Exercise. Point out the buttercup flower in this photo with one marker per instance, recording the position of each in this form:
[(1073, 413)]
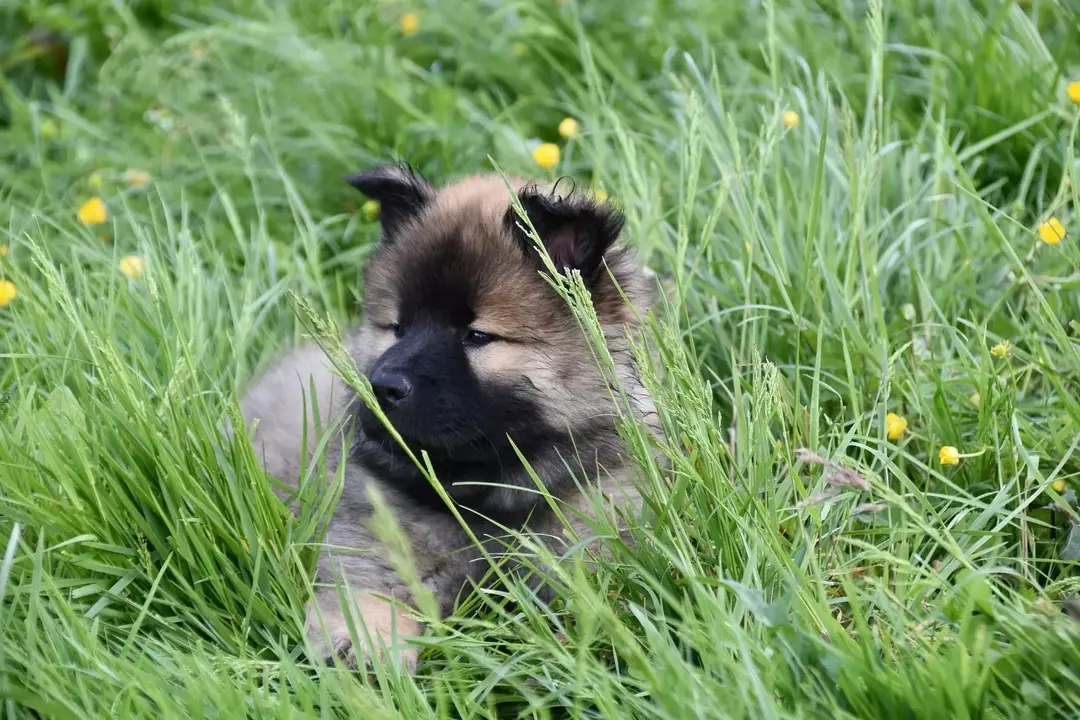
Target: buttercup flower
[(601, 195), (7, 292), (1052, 231), (1001, 349), (568, 128), (790, 119), (546, 155), (948, 455), (370, 210), (133, 266), (1074, 92), (895, 426), (1059, 484), (136, 178), (94, 211), (410, 23)]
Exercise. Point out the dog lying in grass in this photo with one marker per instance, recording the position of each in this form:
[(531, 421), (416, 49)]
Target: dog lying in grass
[(473, 357)]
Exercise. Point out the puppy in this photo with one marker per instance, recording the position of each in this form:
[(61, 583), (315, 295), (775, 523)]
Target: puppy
[(469, 352)]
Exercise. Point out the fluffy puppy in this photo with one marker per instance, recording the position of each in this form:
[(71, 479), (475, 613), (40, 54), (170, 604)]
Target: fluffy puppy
[(467, 348)]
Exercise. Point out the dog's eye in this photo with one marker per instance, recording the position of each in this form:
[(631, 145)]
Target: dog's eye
[(477, 338), (394, 328)]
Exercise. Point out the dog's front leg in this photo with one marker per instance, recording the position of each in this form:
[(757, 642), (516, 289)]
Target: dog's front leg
[(363, 627)]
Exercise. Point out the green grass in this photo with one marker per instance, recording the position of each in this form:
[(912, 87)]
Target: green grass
[(819, 277)]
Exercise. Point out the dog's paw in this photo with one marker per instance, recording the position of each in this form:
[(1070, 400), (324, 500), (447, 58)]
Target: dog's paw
[(387, 626)]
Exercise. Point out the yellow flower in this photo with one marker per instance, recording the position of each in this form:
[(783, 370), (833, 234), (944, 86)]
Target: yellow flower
[(7, 292), (410, 23), (568, 128), (1074, 92), (948, 455), (791, 119), (133, 266), (1001, 349), (895, 426), (95, 181), (1052, 231), (1059, 484), (546, 155), (48, 130), (94, 211), (600, 195), (136, 178), (370, 210)]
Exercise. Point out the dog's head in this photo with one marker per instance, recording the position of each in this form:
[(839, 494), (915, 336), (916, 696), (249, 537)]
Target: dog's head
[(469, 350)]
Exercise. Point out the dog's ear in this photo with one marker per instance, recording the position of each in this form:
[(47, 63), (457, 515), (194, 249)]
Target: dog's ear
[(400, 192), (576, 229)]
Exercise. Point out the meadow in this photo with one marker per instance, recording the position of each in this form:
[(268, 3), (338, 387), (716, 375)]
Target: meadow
[(868, 365)]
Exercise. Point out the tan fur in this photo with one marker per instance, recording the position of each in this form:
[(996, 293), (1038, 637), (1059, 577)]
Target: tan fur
[(380, 628)]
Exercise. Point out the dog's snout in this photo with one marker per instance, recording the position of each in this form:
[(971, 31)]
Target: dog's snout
[(391, 388)]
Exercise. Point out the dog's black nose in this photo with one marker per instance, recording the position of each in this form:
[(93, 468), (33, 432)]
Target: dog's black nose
[(391, 388)]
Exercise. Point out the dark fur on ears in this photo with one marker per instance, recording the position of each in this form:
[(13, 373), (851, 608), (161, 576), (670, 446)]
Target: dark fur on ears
[(575, 228), (400, 192)]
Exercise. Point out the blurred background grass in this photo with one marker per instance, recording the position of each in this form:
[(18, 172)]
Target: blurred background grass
[(864, 257)]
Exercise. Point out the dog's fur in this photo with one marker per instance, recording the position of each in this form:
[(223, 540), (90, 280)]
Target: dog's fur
[(456, 309)]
